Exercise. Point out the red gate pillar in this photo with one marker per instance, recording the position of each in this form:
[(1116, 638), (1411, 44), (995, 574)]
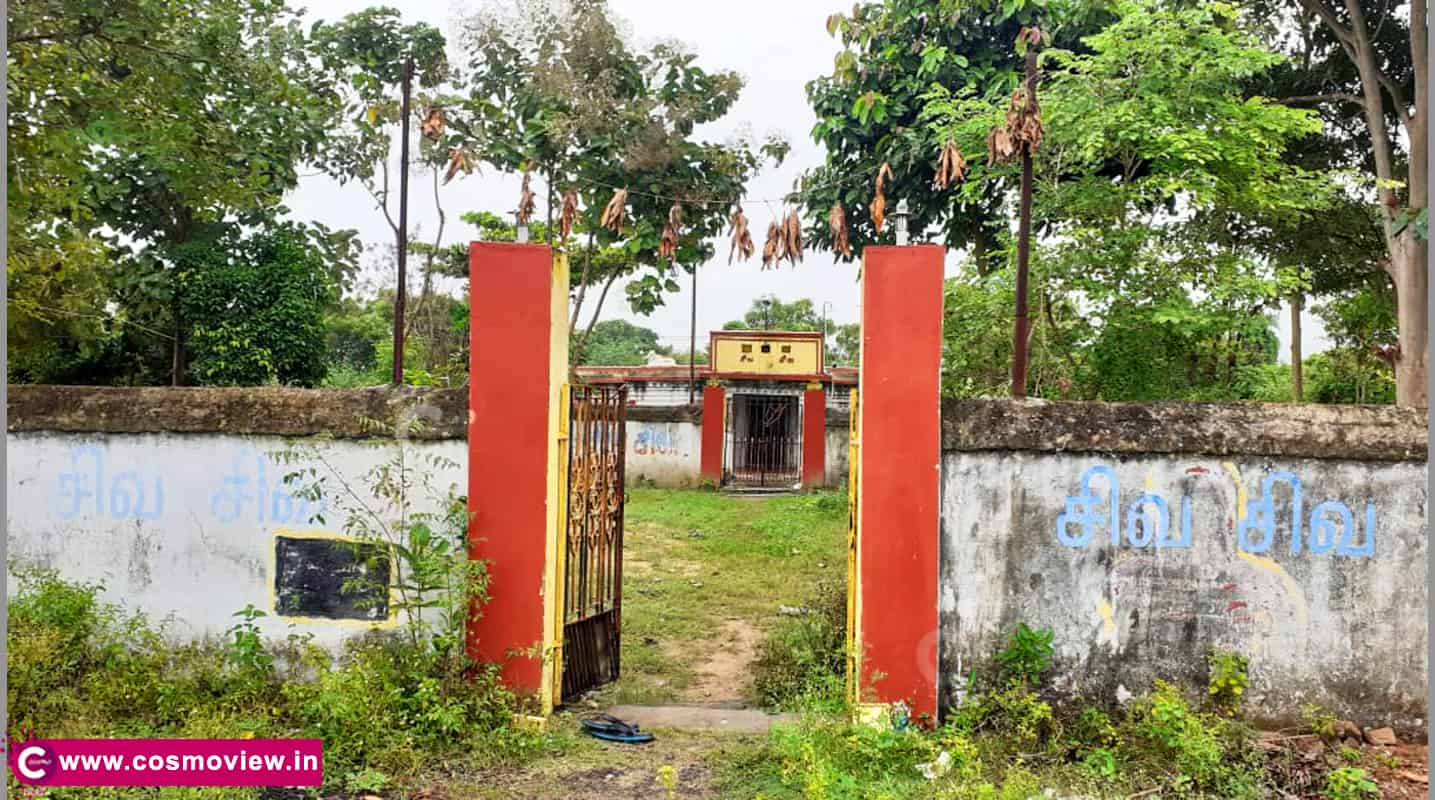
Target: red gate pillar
[(899, 476), (518, 361), (713, 422), (814, 435)]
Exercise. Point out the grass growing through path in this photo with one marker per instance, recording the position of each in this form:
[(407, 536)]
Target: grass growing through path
[(699, 565)]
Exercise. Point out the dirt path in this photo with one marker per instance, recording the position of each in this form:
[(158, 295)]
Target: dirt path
[(596, 769), (726, 675)]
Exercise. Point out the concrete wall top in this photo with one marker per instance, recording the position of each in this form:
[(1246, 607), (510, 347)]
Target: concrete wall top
[(255, 410), (270, 410), (1358, 433)]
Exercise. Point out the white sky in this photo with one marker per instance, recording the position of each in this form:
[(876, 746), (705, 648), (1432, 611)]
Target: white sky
[(777, 45)]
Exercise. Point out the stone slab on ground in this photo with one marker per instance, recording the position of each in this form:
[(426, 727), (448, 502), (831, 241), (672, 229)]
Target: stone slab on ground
[(701, 718)]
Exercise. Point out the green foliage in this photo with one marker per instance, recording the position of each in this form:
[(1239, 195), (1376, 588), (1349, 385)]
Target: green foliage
[(869, 110), (420, 530), (802, 663), (393, 703), (1320, 722), (138, 127), (1208, 753), (1228, 679), (246, 644), (617, 342), (571, 99), (1349, 783), (254, 306), (1027, 656)]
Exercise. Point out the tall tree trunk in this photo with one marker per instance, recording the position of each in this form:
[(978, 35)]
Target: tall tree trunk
[(402, 289), (582, 286), (1409, 270), (1297, 387), (1407, 261)]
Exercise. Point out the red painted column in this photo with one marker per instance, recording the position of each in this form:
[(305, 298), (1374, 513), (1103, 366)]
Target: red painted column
[(713, 424), (814, 436), (898, 506), (510, 308)]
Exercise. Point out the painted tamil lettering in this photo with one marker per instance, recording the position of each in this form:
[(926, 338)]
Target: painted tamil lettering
[(249, 486), (1331, 528), (124, 496)]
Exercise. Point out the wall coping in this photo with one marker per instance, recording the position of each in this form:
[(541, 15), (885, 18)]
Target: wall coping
[(250, 410), (1287, 430), (268, 410)]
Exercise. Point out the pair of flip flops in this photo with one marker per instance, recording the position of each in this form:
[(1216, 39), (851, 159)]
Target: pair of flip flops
[(611, 729)]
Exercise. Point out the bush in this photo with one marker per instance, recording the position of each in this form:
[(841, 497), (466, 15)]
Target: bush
[(1209, 752), (1349, 783), (83, 668), (803, 663)]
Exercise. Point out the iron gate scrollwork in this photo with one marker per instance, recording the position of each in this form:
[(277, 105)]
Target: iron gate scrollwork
[(593, 546)]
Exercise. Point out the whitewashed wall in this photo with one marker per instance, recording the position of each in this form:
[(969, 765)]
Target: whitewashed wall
[(667, 454), (182, 527), (1312, 567)]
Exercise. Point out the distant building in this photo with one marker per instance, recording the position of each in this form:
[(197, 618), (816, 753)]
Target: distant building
[(769, 392)]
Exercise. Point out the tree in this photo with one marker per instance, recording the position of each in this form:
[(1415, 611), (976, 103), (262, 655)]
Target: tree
[(160, 123), (1148, 135), (1375, 57), (868, 109), (846, 350), (616, 342), (255, 305), (555, 89), (771, 314), (375, 55)]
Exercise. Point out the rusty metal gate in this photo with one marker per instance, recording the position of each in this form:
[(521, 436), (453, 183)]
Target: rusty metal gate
[(593, 541), (764, 441)]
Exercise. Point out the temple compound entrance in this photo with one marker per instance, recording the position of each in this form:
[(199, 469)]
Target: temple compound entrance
[(545, 472)]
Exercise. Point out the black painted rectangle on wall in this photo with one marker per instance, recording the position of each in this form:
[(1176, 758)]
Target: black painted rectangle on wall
[(330, 578)]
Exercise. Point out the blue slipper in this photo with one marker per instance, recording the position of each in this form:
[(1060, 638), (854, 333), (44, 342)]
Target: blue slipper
[(612, 729)]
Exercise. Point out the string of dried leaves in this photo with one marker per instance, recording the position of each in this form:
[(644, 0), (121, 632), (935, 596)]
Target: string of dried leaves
[(741, 237), (837, 224), (433, 124), (569, 212), (879, 199), (792, 238), (668, 241), (612, 217), (458, 161), (1023, 116), (772, 248), (525, 201), (951, 167)]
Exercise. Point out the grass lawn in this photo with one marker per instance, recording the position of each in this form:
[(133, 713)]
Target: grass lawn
[(704, 574)]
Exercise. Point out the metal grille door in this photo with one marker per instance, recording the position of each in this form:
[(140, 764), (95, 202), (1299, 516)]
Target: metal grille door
[(764, 442), (593, 547)]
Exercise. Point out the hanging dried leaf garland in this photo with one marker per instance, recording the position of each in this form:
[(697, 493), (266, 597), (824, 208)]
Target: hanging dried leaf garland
[(458, 161), (433, 124), (792, 238), (1023, 117), (741, 236), (525, 201), (569, 211), (879, 199), (668, 242), (951, 167), (837, 225), (612, 217), (772, 248)]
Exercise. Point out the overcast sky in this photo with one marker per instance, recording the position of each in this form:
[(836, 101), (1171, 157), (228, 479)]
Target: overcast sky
[(777, 45)]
